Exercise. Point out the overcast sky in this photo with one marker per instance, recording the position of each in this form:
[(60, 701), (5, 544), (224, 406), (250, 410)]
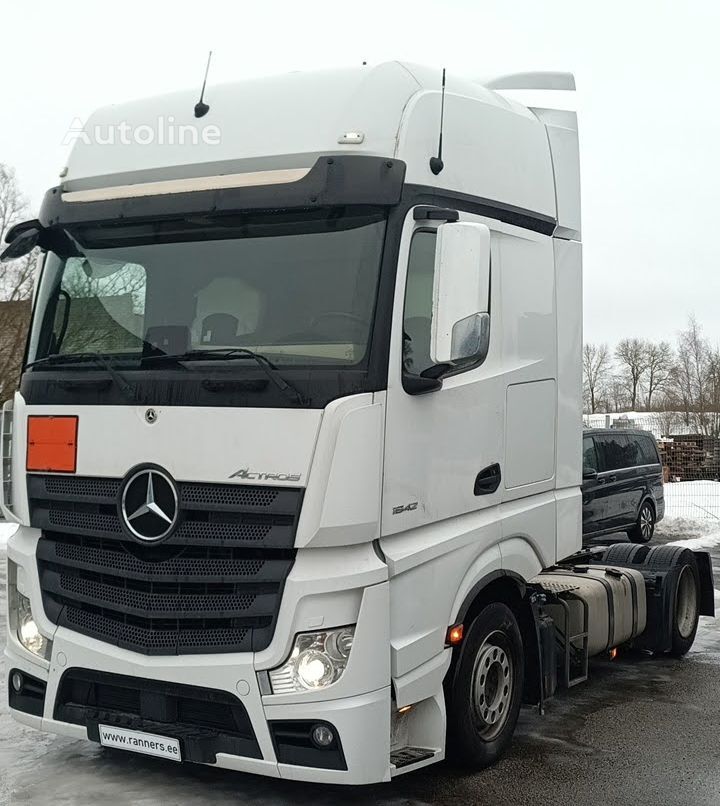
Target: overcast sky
[(647, 73)]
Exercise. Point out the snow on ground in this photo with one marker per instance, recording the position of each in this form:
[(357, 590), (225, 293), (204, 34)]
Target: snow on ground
[(692, 514), (693, 500), (6, 529)]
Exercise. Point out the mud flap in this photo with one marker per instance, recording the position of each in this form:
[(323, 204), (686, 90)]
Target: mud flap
[(707, 584)]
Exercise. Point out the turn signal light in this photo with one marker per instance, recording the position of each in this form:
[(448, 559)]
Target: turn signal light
[(455, 635), (52, 444)]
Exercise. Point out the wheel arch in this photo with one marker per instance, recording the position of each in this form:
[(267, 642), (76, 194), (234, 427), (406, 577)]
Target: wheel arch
[(648, 499), (509, 588)]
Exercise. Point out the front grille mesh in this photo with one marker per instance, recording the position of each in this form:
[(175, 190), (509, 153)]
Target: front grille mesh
[(214, 586)]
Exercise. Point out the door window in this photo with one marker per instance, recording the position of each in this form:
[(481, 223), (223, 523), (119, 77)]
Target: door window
[(590, 461), (632, 452), (649, 451), (612, 450), (418, 303)]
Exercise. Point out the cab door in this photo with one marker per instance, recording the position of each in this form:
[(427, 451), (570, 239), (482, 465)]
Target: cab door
[(445, 449), (437, 442)]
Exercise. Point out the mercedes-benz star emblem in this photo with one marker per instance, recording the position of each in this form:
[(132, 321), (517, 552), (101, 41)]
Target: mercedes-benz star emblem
[(149, 506)]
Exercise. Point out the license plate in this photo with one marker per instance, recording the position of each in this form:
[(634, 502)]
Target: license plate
[(139, 742)]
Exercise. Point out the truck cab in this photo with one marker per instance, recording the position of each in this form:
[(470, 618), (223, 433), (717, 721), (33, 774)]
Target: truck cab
[(299, 424)]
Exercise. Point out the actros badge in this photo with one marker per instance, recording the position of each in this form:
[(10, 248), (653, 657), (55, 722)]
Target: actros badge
[(252, 475)]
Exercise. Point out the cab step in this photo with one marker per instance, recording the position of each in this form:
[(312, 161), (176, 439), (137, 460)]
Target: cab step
[(405, 756)]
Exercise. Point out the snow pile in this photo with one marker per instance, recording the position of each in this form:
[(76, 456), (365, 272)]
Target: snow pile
[(692, 514), (6, 529)]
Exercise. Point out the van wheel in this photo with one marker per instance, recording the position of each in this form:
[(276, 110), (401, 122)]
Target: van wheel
[(486, 689), (644, 527)]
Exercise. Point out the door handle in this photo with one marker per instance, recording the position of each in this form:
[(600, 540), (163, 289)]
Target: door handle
[(612, 478), (488, 480)]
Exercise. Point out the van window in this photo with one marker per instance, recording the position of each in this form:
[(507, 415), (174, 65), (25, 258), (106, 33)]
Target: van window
[(590, 461), (632, 454), (649, 451), (612, 451)]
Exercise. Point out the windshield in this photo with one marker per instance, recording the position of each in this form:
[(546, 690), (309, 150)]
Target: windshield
[(297, 287)]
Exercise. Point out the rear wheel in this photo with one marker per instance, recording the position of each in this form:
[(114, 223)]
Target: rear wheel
[(486, 688), (644, 527), (686, 611)]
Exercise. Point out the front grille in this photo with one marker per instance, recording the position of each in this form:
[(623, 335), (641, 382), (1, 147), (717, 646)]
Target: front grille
[(206, 721), (215, 585)]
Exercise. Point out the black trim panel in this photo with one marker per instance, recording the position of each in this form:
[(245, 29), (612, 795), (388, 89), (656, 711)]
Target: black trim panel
[(292, 740), (206, 721), (500, 211), (31, 697), (332, 181)]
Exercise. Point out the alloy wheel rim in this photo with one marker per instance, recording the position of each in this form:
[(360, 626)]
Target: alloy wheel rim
[(646, 522)]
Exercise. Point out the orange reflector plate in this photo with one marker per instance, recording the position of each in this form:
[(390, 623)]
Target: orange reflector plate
[(52, 444)]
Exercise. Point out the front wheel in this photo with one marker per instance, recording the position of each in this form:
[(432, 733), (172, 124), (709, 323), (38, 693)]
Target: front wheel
[(644, 527), (486, 689)]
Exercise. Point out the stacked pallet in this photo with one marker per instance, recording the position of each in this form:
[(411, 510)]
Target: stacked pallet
[(690, 457)]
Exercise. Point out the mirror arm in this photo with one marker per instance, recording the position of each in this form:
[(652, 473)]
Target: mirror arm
[(436, 371)]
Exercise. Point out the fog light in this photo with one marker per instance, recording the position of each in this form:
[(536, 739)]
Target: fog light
[(322, 736), (17, 682)]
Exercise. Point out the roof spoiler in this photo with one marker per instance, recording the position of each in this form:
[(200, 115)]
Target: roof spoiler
[(532, 81)]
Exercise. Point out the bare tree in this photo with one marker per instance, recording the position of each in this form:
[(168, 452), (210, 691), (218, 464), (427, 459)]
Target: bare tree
[(632, 355), (660, 361), (596, 365), (16, 277), (712, 393), (15, 286), (698, 373), (617, 394)]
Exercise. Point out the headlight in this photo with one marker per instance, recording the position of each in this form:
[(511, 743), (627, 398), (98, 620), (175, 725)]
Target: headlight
[(27, 630), (318, 659)]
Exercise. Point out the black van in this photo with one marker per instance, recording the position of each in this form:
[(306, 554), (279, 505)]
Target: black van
[(622, 483)]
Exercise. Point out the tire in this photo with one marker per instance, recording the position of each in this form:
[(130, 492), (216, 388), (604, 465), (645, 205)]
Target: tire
[(644, 527), (685, 609), (483, 700)]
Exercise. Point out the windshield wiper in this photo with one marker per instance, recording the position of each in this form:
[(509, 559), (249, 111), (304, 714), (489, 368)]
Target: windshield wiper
[(266, 365), (97, 358)]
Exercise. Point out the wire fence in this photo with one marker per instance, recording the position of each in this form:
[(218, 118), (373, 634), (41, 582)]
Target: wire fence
[(691, 460)]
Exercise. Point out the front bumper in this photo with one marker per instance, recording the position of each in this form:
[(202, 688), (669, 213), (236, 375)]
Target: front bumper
[(361, 718)]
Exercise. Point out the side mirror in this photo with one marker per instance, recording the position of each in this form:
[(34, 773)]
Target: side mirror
[(23, 238), (461, 293)]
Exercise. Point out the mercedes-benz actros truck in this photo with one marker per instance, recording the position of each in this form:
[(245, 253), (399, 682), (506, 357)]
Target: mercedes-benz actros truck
[(296, 450)]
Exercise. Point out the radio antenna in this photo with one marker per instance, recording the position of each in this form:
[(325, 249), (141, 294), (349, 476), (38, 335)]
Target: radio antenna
[(201, 108), (436, 163)]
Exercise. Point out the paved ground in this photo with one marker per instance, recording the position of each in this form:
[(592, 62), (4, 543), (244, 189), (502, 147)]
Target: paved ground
[(642, 731)]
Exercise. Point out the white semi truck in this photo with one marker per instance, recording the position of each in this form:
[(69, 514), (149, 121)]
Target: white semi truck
[(296, 452)]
